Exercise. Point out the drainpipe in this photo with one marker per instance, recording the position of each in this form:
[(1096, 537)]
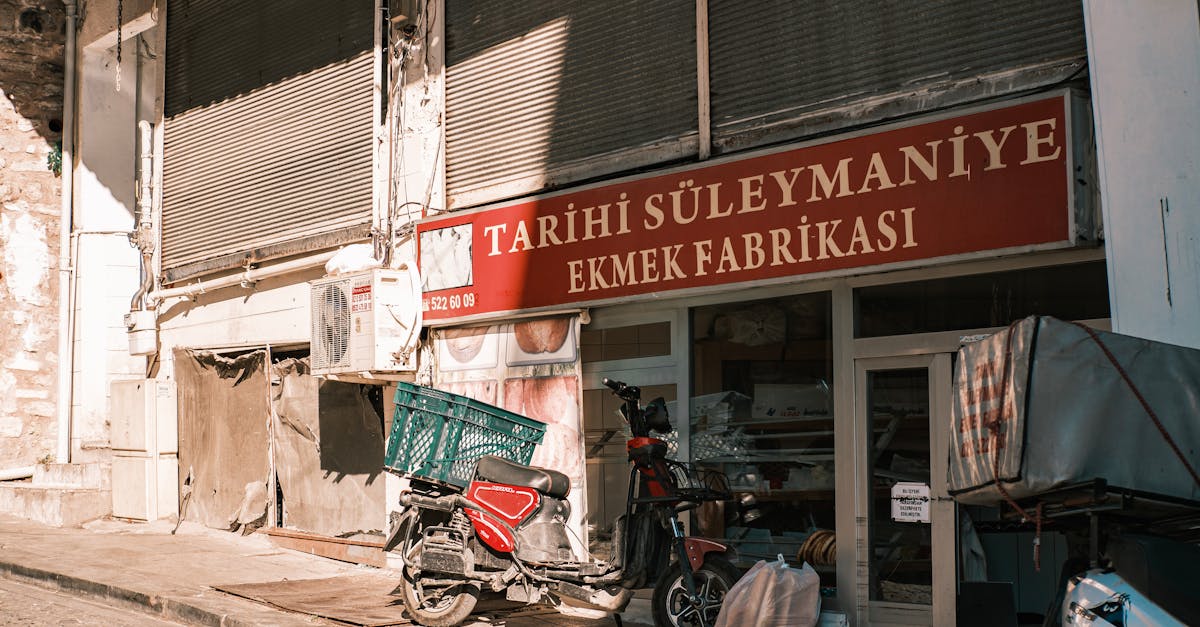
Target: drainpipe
[(143, 234), (141, 321), (66, 266), (16, 473)]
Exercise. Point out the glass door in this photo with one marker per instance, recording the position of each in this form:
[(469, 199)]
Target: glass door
[(905, 519)]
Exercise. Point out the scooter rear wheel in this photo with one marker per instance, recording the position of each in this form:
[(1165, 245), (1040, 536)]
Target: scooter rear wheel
[(713, 580), (440, 607)]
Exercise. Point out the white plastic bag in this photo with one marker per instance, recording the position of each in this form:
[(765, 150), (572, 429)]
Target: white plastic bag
[(352, 258), (773, 595)]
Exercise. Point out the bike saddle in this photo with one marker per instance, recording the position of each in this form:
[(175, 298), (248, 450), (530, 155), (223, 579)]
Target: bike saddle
[(499, 470)]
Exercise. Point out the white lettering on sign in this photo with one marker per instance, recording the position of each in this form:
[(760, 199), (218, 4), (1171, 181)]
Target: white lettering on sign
[(453, 302), (805, 183), (749, 251), (910, 502)]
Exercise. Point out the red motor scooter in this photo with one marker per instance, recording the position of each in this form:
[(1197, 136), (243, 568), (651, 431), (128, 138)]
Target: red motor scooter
[(507, 533)]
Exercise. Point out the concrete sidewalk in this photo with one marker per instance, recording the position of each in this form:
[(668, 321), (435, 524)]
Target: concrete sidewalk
[(143, 566)]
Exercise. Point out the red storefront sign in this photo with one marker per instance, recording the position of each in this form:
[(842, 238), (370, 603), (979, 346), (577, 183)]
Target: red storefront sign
[(987, 181)]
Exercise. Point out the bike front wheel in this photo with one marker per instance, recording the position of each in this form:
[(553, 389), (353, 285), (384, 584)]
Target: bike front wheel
[(673, 608)]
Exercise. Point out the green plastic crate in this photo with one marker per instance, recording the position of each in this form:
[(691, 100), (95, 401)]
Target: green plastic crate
[(440, 436)]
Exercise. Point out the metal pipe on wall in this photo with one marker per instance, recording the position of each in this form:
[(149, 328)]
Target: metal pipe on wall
[(24, 472), (66, 266), (143, 234), (243, 278)]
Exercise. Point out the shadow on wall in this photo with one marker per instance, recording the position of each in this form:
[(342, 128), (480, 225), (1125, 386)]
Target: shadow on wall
[(607, 63), (32, 40)]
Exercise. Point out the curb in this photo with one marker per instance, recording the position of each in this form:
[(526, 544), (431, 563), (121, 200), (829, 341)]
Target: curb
[(182, 610), (164, 607)]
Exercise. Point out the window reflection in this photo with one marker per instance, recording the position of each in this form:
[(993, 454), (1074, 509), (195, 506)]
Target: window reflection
[(762, 412)]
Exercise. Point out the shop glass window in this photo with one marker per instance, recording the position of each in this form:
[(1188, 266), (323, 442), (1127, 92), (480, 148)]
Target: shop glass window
[(605, 434), (630, 342), (1069, 292), (762, 413), (898, 452)]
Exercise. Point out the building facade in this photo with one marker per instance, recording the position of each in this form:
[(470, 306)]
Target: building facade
[(784, 218), (31, 125)]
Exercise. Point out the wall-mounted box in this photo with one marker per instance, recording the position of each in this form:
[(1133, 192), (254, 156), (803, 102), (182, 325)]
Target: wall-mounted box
[(143, 417), (145, 487)]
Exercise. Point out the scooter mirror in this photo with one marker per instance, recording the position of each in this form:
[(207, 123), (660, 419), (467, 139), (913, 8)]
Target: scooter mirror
[(656, 416)]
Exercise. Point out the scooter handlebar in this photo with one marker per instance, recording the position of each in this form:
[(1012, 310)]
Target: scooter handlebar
[(623, 391)]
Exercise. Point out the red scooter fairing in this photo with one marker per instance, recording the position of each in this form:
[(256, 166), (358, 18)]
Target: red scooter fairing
[(643, 451), (697, 548), (489, 529), (513, 504), (510, 504)]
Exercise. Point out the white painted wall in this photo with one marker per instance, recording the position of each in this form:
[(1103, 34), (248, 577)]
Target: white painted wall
[(275, 311), (1144, 61), (418, 163), (106, 268)]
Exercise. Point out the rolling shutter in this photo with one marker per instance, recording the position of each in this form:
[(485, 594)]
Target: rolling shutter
[(268, 129), (774, 62), (542, 94)]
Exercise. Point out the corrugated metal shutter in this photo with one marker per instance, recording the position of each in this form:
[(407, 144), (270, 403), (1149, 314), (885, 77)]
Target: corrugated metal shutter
[(268, 126), (554, 92), (775, 61)]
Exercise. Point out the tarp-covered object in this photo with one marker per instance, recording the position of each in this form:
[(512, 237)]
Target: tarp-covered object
[(223, 436), (1042, 405), (328, 453)]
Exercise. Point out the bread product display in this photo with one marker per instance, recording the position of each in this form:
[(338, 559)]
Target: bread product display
[(554, 401), (548, 399), (479, 390), (464, 343), (819, 549), (545, 335)]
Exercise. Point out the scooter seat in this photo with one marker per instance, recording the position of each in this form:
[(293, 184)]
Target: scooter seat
[(499, 470)]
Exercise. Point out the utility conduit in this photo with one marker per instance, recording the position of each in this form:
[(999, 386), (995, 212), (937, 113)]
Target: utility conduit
[(66, 270), (242, 278)]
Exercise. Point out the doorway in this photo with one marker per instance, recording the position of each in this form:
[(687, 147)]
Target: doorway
[(905, 521)]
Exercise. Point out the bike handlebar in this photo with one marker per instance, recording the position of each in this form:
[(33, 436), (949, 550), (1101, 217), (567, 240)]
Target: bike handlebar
[(625, 392)]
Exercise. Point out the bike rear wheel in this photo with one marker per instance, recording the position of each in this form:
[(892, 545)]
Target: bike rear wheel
[(436, 606), (713, 579)]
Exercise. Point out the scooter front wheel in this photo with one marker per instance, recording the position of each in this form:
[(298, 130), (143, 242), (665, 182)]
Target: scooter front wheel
[(440, 606), (673, 608)]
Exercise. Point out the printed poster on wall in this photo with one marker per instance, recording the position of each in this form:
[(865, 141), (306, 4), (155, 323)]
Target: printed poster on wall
[(530, 367)]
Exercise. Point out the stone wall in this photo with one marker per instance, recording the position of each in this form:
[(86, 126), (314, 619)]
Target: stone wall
[(32, 37)]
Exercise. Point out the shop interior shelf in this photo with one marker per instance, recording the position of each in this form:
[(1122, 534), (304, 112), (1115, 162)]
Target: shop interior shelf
[(781, 455)]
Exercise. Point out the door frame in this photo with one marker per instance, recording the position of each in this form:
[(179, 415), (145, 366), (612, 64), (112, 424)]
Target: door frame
[(943, 513)]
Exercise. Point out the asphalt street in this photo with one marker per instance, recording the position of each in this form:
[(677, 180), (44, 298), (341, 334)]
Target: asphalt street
[(27, 605)]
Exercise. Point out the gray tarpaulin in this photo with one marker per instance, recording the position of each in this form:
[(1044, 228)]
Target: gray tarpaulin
[(328, 454), (1063, 413), (223, 435)]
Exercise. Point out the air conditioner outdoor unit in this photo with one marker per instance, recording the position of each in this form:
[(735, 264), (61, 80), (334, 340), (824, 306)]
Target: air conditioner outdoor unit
[(367, 321)]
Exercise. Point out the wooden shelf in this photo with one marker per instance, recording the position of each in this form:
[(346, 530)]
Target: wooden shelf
[(788, 495)]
